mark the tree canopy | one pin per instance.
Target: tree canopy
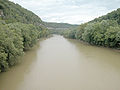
(102, 31)
(19, 31)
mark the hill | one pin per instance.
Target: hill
(15, 13)
(59, 25)
(20, 29)
(102, 31)
(58, 28)
(114, 15)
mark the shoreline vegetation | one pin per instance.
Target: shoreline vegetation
(103, 31)
(20, 30)
(86, 43)
(15, 39)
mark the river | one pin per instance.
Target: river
(57, 63)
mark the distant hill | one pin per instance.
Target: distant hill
(15, 13)
(59, 26)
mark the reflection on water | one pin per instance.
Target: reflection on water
(60, 64)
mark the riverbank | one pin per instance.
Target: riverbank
(62, 64)
(86, 43)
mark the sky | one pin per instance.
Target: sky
(69, 11)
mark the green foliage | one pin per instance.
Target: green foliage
(11, 47)
(19, 31)
(59, 25)
(15, 13)
(115, 15)
(103, 31)
(80, 31)
(15, 38)
(59, 28)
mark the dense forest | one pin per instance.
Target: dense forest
(102, 31)
(58, 28)
(19, 31)
(59, 25)
(15, 13)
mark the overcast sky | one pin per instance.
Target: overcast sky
(69, 11)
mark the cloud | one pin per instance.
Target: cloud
(69, 11)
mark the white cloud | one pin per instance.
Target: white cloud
(69, 11)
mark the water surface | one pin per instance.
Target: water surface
(61, 64)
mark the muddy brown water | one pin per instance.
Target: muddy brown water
(61, 64)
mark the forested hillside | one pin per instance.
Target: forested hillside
(57, 28)
(102, 31)
(114, 15)
(15, 13)
(19, 31)
(59, 25)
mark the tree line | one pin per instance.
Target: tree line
(102, 31)
(15, 38)
(20, 29)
